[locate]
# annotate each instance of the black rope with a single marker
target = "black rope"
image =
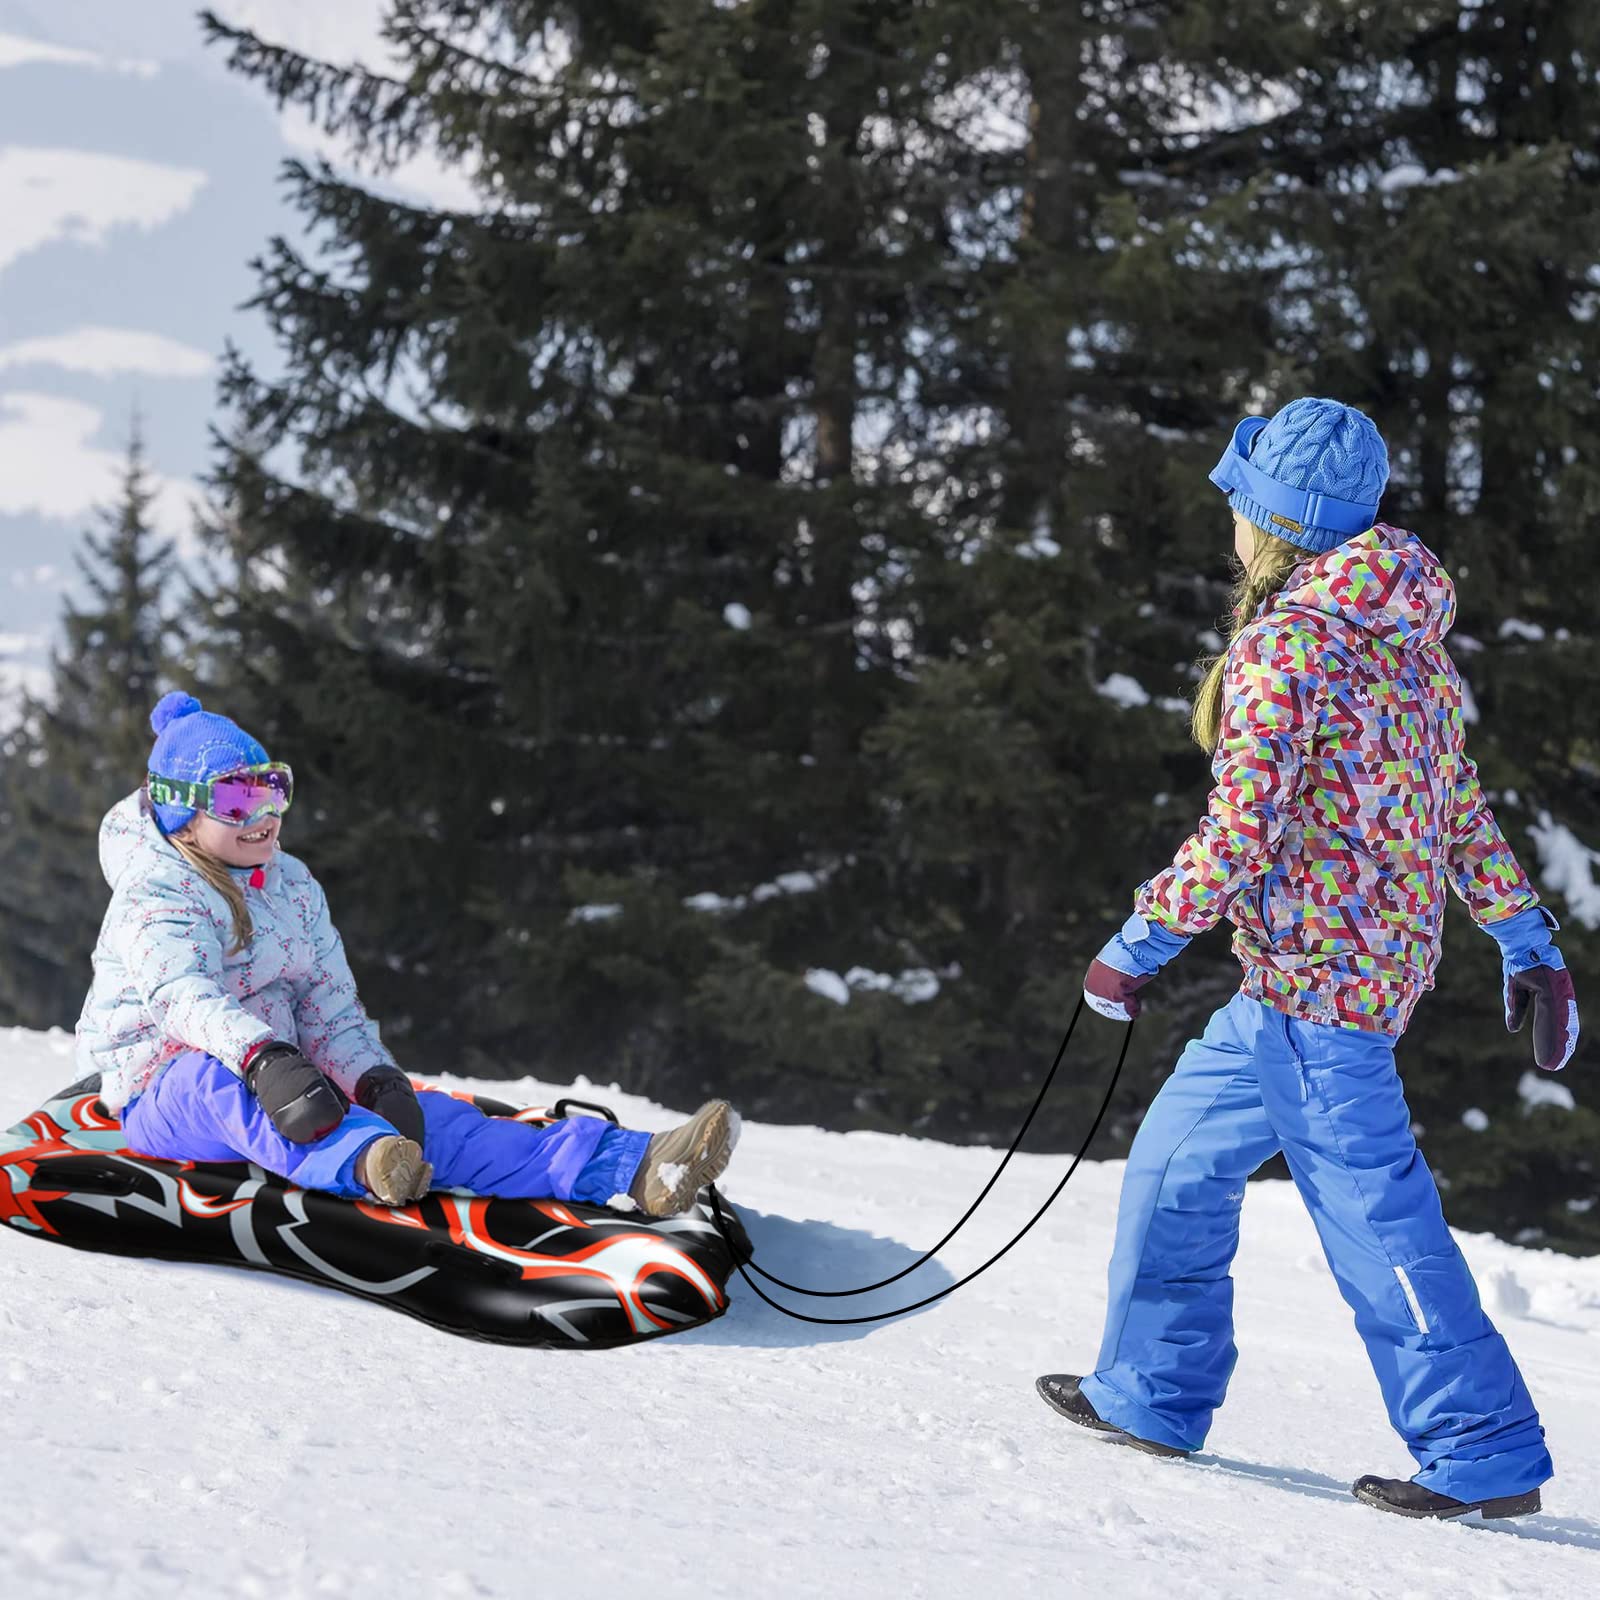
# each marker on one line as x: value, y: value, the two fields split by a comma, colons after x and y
x: 882, y: 1316
x: 928, y: 1255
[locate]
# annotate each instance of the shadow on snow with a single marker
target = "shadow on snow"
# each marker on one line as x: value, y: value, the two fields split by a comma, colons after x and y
x: 821, y: 1255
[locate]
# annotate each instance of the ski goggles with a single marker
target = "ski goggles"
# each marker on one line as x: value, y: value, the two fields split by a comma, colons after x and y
x: 249, y: 795
x: 1294, y: 509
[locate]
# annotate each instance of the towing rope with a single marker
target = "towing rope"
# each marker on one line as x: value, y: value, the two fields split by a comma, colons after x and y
x: 881, y: 1316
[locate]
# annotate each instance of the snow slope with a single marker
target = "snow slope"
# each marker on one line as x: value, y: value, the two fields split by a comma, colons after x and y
x: 173, y: 1429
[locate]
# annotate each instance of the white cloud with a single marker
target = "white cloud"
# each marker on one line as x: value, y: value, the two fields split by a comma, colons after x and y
x: 341, y: 31
x: 22, y: 670
x: 423, y: 178
x: 80, y: 195
x: 105, y: 352
x: 15, y: 680
x: 15, y: 51
x: 50, y: 467
x: 40, y: 577
x: 346, y: 33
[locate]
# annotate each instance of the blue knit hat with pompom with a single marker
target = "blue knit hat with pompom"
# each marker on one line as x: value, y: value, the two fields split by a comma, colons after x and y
x: 1322, y: 447
x: 194, y: 745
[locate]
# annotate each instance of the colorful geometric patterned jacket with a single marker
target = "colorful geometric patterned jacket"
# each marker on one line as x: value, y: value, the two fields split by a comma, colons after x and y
x: 1344, y: 799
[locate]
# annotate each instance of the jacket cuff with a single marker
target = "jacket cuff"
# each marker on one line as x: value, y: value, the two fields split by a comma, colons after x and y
x: 1523, y: 931
x: 1150, y: 940
x: 1141, y: 947
x: 254, y: 1051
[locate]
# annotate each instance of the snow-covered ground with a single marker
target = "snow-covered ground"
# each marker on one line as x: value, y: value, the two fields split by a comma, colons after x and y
x: 182, y: 1430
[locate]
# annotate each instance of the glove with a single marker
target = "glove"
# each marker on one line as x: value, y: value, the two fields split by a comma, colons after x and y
x: 303, y: 1104
x: 1537, y: 980
x: 388, y: 1091
x: 1125, y: 965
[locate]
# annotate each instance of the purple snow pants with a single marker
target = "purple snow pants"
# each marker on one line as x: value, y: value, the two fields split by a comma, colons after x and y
x: 198, y: 1110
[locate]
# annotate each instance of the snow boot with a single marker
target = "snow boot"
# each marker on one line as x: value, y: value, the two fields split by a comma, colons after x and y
x: 678, y: 1164
x: 1060, y: 1391
x: 395, y: 1172
x: 1407, y: 1499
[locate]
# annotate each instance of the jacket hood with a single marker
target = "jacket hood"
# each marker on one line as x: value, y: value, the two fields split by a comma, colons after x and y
x: 1385, y: 581
x: 133, y: 848
x: 131, y: 845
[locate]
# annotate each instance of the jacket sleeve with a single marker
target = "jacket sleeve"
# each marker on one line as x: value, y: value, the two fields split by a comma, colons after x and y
x: 1272, y: 693
x: 1483, y: 870
x: 172, y: 952
x: 335, y: 1032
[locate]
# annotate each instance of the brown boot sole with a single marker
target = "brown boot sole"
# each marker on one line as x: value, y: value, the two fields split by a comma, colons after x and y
x: 678, y: 1164
x: 396, y: 1172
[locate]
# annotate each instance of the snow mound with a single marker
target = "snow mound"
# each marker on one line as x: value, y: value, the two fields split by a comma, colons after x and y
x: 1540, y: 1089
x: 182, y: 1429
x: 1567, y: 865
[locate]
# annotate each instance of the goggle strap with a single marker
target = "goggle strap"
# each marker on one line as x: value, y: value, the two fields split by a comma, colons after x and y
x: 177, y: 791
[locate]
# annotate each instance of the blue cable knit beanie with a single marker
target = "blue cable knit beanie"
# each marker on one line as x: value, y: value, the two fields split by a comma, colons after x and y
x: 1323, y: 446
x: 193, y: 744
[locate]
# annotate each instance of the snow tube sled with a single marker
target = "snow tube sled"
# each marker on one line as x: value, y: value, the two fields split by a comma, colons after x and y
x: 534, y: 1272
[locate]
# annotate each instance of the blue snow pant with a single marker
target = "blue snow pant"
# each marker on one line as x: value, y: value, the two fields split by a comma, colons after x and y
x: 1329, y: 1097
x: 198, y: 1110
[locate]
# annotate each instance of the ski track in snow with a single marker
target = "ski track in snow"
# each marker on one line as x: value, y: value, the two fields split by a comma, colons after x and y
x: 186, y: 1429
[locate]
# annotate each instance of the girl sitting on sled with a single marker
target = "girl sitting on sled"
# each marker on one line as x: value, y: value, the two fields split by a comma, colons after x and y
x: 224, y: 1020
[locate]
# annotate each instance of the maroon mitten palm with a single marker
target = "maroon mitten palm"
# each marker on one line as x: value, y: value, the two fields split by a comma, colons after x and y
x: 1548, y: 993
x: 1114, y: 994
x: 1126, y: 963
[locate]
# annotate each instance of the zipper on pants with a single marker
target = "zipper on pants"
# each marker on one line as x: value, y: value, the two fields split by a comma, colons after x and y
x: 1301, y: 1070
x: 1411, y: 1300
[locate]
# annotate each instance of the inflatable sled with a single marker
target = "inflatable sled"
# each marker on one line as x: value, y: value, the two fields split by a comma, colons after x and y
x: 535, y: 1272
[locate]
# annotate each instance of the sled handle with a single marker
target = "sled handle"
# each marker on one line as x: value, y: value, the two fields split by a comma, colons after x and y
x: 559, y: 1110
x: 65, y: 1176
x: 462, y: 1258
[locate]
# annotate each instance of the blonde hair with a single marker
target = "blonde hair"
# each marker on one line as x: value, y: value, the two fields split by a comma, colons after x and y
x: 215, y: 871
x: 1268, y: 569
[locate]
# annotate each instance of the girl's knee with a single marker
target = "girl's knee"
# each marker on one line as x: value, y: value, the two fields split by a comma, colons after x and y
x: 442, y: 1110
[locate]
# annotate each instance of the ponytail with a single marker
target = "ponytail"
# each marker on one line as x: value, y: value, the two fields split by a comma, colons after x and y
x: 1269, y: 569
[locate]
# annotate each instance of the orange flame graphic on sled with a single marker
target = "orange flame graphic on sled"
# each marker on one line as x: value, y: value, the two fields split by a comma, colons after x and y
x: 199, y: 1205
x: 623, y: 1262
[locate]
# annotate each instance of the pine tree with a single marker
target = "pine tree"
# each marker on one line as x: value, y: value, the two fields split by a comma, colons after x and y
x: 1407, y: 194
x: 1480, y: 286
x: 624, y: 595
x: 757, y: 556
x: 76, y: 752
x: 30, y: 959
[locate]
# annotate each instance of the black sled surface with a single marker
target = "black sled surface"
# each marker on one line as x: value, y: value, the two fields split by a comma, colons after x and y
x: 531, y: 1272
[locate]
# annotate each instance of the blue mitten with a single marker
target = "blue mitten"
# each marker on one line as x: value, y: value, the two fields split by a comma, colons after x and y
x: 1536, y: 979
x: 1126, y: 964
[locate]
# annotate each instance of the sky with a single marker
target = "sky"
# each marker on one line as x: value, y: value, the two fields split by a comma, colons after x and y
x: 138, y: 177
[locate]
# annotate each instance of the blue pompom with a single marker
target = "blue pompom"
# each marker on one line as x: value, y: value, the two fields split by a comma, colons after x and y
x: 172, y: 706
